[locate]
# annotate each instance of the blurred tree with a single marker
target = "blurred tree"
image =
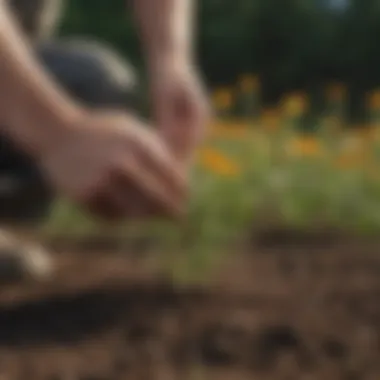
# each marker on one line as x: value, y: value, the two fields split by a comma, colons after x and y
x: 105, y: 20
x: 291, y: 44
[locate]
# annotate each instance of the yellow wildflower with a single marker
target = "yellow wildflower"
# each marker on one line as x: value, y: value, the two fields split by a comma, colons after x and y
x: 249, y: 83
x: 375, y: 132
x: 294, y: 104
x: 336, y: 91
x: 373, y: 100
x: 234, y: 129
x: 218, y: 162
x: 223, y: 99
x: 270, y: 119
x: 353, y: 152
x: 349, y: 161
x: 366, y: 133
x: 306, y: 146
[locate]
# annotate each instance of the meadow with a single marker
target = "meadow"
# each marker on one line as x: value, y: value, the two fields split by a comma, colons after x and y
x: 259, y: 169
x: 198, y: 301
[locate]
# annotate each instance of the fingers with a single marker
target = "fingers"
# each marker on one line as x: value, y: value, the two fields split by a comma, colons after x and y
x: 102, y: 206
x: 139, y: 178
x: 153, y: 189
x: 182, y: 115
x: 142, y: 186
x: 155, y: 158
x: 164, y: 118
x: 114, y: 203
x: 119, y: 202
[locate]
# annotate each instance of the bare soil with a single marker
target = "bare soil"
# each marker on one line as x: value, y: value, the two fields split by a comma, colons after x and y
x: 282, y: 308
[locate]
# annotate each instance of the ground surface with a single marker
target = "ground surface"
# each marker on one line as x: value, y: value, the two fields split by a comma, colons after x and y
x: 295, y: 310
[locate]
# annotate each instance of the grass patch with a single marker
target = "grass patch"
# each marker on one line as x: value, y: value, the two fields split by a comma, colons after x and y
x: 256, y: 180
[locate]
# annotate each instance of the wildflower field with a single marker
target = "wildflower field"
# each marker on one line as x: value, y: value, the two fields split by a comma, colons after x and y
x: 259, y: 168
x: 208, y: 299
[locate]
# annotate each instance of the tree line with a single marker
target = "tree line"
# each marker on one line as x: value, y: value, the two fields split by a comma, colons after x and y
x: 290, y: 44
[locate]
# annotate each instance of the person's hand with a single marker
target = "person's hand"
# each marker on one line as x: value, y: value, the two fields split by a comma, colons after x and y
x: 115, y: 167
x: 180, y: 106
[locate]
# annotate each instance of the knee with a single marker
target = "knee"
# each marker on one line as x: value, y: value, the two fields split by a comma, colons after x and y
x: 91, y: 72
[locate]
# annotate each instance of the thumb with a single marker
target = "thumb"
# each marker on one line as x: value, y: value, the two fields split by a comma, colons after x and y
x: 182, y: 127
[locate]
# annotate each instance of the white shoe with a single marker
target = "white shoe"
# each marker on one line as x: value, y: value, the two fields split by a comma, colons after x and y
x: 20, y: 261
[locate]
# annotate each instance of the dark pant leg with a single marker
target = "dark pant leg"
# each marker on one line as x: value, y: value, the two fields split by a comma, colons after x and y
x: 91, y: 73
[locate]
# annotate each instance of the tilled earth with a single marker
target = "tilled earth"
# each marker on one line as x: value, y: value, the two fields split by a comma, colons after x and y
x: 298, y: 309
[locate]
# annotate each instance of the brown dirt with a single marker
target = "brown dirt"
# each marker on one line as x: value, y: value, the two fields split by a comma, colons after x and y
x: 301, y: 309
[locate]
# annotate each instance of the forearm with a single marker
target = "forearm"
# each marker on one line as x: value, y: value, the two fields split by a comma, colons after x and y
x: 166, y: 29
x: 32, y: 108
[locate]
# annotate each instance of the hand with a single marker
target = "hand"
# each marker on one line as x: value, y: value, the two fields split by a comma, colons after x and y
x: 115, y: 167
x: 180, y: 108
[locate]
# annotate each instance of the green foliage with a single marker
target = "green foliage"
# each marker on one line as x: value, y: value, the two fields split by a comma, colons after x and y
x: 105, y: 20
x: 277, y: 186
x: 290, y: 43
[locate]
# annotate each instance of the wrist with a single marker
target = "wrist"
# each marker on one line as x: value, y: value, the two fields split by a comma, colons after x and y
x: 158, y: 61
x: 39, y: 130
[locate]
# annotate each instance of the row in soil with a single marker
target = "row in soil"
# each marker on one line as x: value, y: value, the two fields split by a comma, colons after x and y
x: 279, y: 312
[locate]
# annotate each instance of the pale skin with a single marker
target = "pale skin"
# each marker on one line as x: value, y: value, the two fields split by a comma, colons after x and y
x: 109, y: 162
x: 179, y: 103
